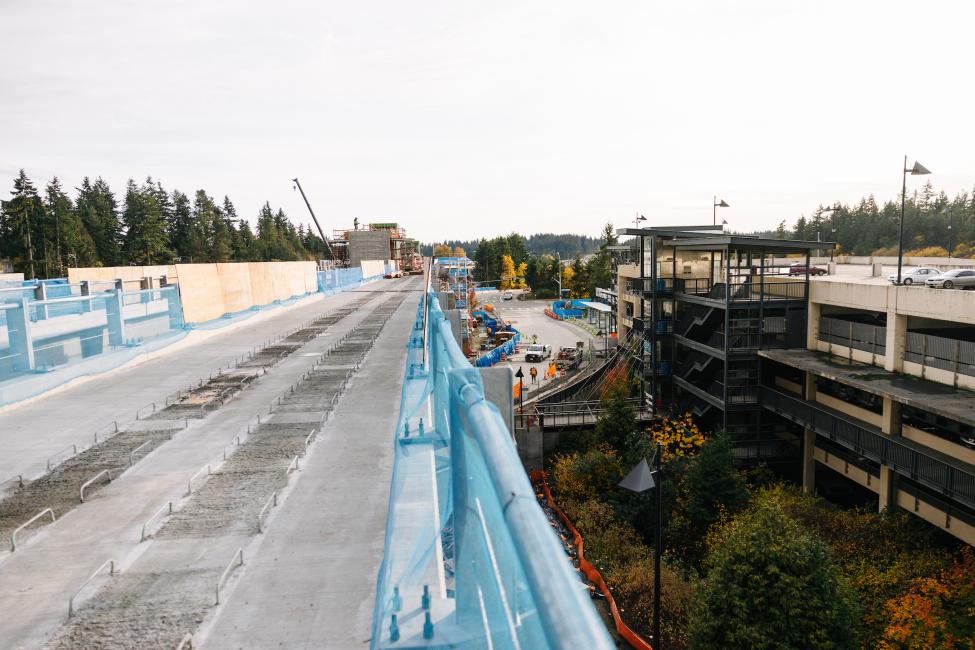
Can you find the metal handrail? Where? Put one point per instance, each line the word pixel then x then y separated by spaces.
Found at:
pixel 19 479
pixel 138 413
pixel 272 501
pixel 230 567
pixel 74 452
pixel 111 572
pixel 145 526
pixel 113 424
pixel 93 479
pixel 133 452
pixel 293 464
pixel 186 643
pixel 13 536
pixel 308 440
pixel 189 484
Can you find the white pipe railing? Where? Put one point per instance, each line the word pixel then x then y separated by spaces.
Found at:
pixel 58 455
pixel 145 527
pixel 189 484
pixel 13 536
pixel 137 449
pixel 233 564
pixel 97 476
pixel 292 466
pixel 271 502
pixel 111 572
pixel 186 643
pixel 109 430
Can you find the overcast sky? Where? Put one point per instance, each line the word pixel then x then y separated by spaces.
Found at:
pixel 463 119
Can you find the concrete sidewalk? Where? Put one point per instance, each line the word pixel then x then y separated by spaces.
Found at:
pixel 46 425
pixel 311 582
pixel 42 574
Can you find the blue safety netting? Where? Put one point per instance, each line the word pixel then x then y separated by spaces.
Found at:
pixel 568 308
pixel 470 559
pixel 44 343
pixel 494 356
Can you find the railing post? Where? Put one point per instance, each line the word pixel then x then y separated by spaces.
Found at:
pixel 116 320
pixel 18 331
pixel 85 292
pixel 40 293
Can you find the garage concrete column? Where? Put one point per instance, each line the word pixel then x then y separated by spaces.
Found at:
pixel 814 310
pixel 809 439
pixel 896 341
pixel 891 418
pixel 890 424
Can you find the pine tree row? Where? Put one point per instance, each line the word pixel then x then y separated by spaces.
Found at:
pixel 42 235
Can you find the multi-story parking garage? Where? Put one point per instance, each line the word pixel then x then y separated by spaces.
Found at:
pixel 844 380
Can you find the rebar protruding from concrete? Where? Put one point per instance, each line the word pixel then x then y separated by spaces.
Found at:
pixel 406 430
pixel 393 629
pixel 421 428
pixel 427 627
pixel 425 599
pixel 397 600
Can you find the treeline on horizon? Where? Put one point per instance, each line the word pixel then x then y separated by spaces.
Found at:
pixel 567 246
pixel 504 259
pixel 869 229
pixel 42 234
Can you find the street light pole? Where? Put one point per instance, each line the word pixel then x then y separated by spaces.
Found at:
pixel 714 210
pixel 947 210
pixel 917 170
pixel 641 479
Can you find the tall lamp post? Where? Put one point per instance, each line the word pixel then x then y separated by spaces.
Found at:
pixel 947 210
pixel 641 479
pixel 832 228
pixel 917 170
pixel 714 211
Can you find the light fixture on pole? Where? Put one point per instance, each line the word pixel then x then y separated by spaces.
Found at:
pixel 832 228
pixel 947 210
pixel 641 479
pixel 638 219
pixel 917 170
pixel 714 211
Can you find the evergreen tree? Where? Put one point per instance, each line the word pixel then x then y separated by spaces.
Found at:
pixel 73 245
pixel 180 227
pixel 98 210
pixel 20 219
pixel 145 239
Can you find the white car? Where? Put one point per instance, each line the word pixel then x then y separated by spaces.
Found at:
pixel 507 295
pixel 953 279
pixel 918 276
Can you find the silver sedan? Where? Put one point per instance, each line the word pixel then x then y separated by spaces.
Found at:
pixel 956 278
pixel 915 276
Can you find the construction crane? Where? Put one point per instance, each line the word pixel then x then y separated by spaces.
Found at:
pixel 331 253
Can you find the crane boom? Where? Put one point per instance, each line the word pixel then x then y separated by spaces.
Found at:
pixel 315 219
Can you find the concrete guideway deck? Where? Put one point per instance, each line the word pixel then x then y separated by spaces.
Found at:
pixel 61 556
pixel 311 580
pixel 33 431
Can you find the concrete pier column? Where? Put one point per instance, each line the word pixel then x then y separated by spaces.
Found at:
pixel 890 424
pixel 114 314
pixel 145 284
pixel 814 309
pixel 40 293
pixel 18 331
pixel 809 438
pixel 896 339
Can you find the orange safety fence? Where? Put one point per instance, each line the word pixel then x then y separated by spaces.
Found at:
pixel 538 477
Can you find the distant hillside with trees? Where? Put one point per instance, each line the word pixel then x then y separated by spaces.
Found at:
pixel 566 246
pixel 871 229
pixel 516 261
pixel 44 233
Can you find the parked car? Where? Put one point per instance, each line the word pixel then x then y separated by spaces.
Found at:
pixel 538 352
pixel 920 276
pixel 956 278
pixel 507 295
pixel 799 268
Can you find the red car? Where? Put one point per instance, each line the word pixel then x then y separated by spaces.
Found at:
pixel 800 268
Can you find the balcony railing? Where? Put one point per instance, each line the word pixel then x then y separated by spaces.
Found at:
pixel 859 336
pixel 904 457
pixel 954 355
pixel 747 289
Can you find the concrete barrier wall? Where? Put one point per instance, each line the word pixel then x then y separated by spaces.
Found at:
pixel 371 268
pixel 209 291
